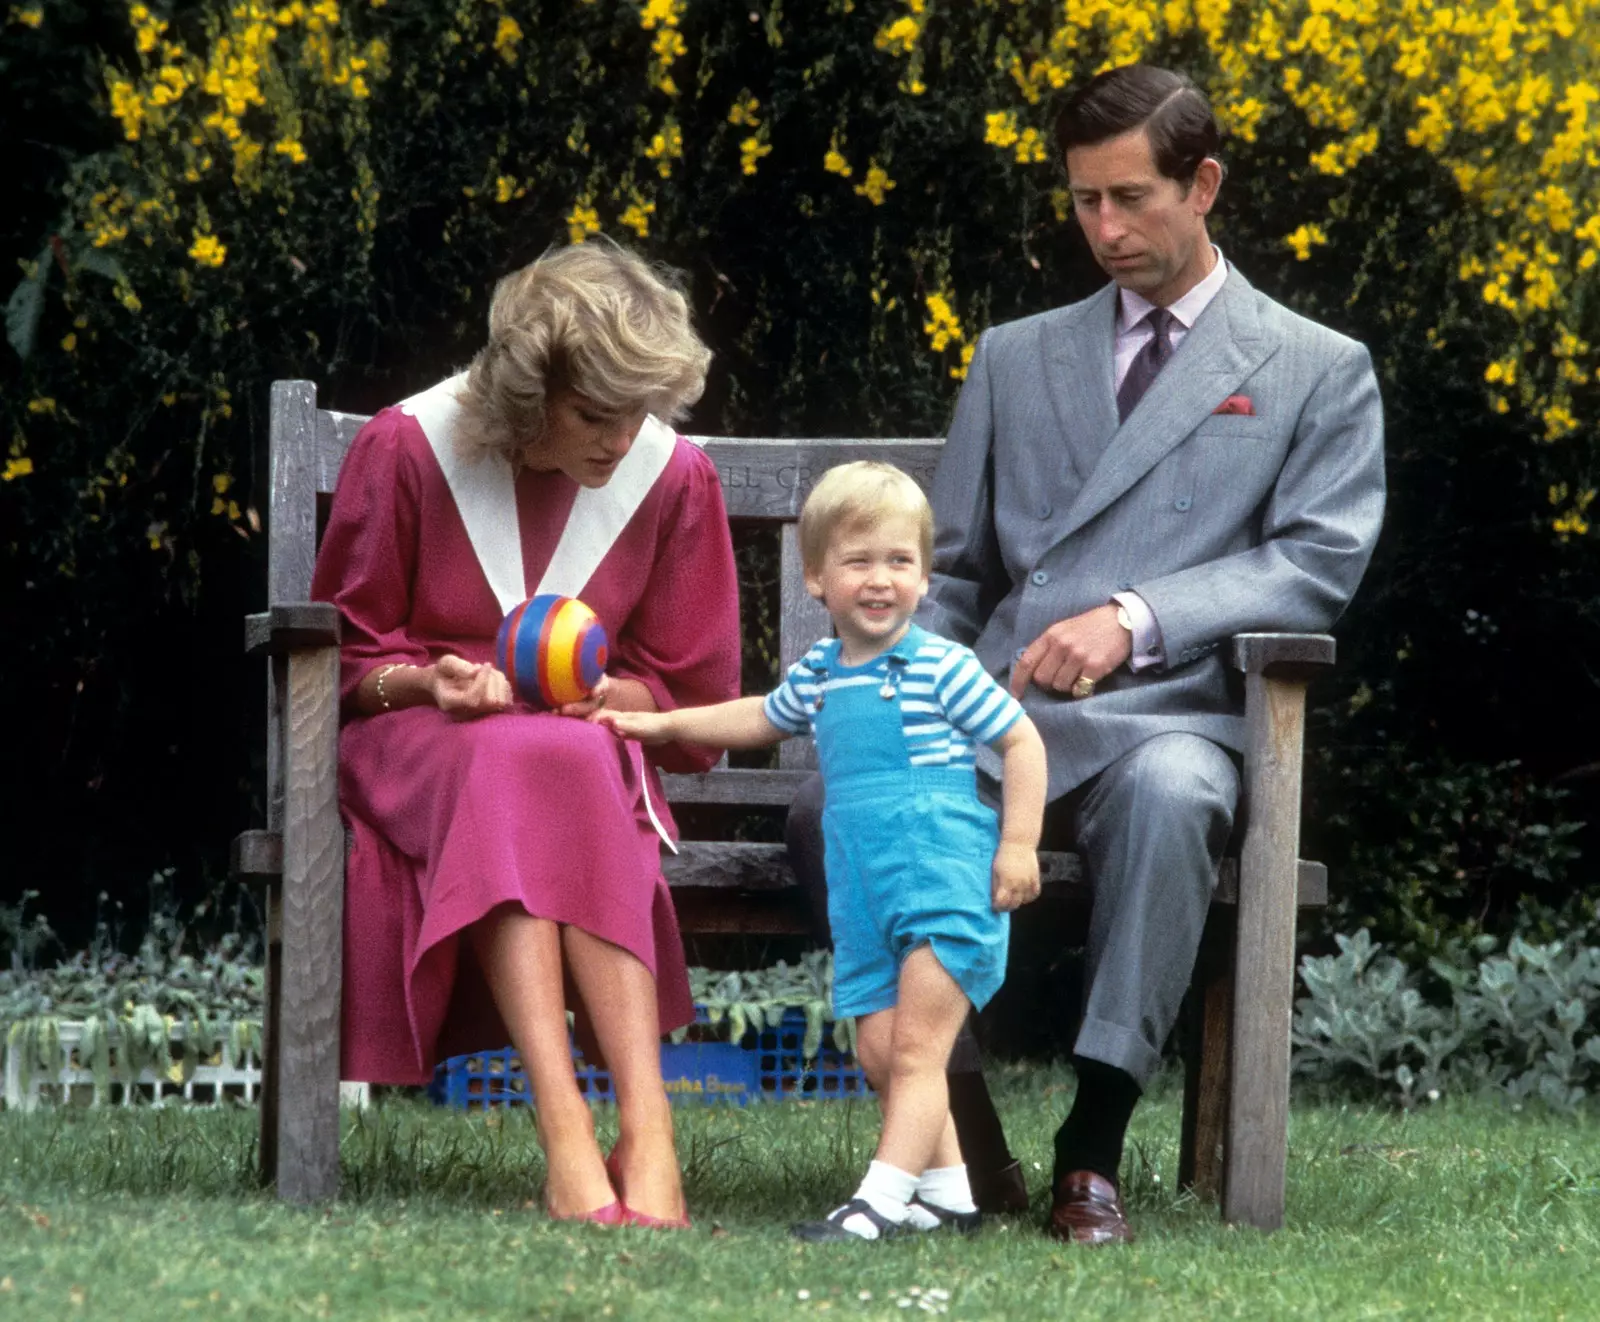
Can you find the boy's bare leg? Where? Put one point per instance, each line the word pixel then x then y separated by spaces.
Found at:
pixel 904 1051
pixel 930 1013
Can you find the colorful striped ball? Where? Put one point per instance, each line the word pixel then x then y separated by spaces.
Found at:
pixel 552 649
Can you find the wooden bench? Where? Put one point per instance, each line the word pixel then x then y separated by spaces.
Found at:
pixel 1234 1140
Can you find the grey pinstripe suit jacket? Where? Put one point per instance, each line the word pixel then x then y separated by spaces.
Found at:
pixel 1045 506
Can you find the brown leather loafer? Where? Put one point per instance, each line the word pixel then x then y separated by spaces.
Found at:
pixel 1088 1210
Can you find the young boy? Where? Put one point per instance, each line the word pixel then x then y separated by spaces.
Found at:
pixel 920 877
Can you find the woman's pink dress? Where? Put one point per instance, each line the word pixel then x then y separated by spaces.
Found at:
pixel 450 818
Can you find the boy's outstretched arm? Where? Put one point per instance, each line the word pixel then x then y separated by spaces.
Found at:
pixel 1022 788
pixel 738 724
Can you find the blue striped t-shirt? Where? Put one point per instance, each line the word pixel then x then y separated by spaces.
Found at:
pixel 948 701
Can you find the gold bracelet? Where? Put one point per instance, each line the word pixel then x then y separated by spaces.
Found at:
pixel 383 675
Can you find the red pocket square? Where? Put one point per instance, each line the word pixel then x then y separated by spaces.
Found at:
pixel 1238 405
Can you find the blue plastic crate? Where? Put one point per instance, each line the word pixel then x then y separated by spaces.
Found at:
pixel 765 1066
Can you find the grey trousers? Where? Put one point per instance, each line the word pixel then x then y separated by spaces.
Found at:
pixel 1151 829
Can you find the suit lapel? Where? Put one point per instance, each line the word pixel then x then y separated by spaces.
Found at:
pixel 1078 373
pixel 1226 344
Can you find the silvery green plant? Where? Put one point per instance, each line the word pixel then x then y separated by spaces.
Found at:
pixel 738 1002
pixel 1518 1021
pixel 135 1009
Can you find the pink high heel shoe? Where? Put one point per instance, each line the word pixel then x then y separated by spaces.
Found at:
pixel 612 1214
pixel 642 1219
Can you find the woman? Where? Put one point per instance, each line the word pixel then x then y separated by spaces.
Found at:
pixel 499 855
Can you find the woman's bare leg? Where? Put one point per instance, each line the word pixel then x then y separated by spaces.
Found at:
pixel 619 993
pixel 521 959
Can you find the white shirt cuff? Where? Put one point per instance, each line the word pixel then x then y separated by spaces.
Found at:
pixel 1148 649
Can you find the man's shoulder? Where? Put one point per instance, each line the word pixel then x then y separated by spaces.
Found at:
pixel 1284 323
pixel 1007 335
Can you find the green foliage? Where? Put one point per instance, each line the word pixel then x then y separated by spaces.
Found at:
pixel 1519 1022
pixel 137 1010
pixel 1433 851
pixel 329 191
pixel 757 999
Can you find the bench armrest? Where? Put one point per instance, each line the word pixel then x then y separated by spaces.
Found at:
pixel 1282 655
pixel 296 628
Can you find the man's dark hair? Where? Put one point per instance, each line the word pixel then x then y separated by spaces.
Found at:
pixel 1167 104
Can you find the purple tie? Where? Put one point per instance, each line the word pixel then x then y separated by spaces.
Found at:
pixel 1146 363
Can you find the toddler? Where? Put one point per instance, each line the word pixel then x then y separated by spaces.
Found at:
pixel 921 876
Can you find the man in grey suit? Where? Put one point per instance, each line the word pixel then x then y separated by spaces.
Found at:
pixel 1129 481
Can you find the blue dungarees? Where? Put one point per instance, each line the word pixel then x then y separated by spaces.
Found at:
pixel 909 849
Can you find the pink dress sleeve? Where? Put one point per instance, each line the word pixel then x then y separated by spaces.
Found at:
pixel 367 561
pixel 682 640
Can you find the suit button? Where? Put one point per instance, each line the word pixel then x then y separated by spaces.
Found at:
pixel 1045 511
pixel 1182 503
pixel 1038 578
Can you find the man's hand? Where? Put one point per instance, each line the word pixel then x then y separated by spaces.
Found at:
pixel 464 689
pixel 1091 645
pixel 1016 876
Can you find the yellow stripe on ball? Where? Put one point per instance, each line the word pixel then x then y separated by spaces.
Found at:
pixel 562 653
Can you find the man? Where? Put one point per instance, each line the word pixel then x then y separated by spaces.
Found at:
pixel 1128 482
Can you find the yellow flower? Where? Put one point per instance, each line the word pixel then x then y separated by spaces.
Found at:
pixel 1000 128
pixel 505 188
pixel 220 482
pixel 834 163
pixel 942 327
pixel 69 341
pixel 662 12
pixel 582 221
pixel 875 187
pixel 1304 239
pixel 899 37
pixel 637 216
pixel 208 250
pixel 42 404
pixel 292 149
pixel 19 467
pixel 744 110
pixel 665 147
pixel 506 37
pixel 751 150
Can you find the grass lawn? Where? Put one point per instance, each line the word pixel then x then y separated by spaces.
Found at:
pixel 1463 1211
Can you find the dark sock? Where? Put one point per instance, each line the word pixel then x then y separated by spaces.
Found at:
pixel 983 1140
pixel 1091 1137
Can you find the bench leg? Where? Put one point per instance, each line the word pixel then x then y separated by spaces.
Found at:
pixel 1205 1068
pixel 306 1036
pixel 267 1102
pixel 1263 1004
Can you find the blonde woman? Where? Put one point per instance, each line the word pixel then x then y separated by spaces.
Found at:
pixel 502 855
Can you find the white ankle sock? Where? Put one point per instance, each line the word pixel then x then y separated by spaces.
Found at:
pixel 887 1189
pixel 944 1187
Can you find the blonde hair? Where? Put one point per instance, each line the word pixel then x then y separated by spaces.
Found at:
pixel 593 317
pixel 861 493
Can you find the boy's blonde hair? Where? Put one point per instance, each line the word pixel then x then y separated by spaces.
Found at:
pixel 856 494
pixel 594 317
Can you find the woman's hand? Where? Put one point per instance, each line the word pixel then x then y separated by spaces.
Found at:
pixel 1016 876
pixel 628 695
pixel 464 689
pixel 648 727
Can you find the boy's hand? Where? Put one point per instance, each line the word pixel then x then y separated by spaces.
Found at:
pixel 647 727
pixel 1016 876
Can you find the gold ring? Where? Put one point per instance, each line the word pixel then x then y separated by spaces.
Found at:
pixel 1082 687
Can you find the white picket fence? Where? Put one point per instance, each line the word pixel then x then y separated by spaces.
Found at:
pixel 210 1084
